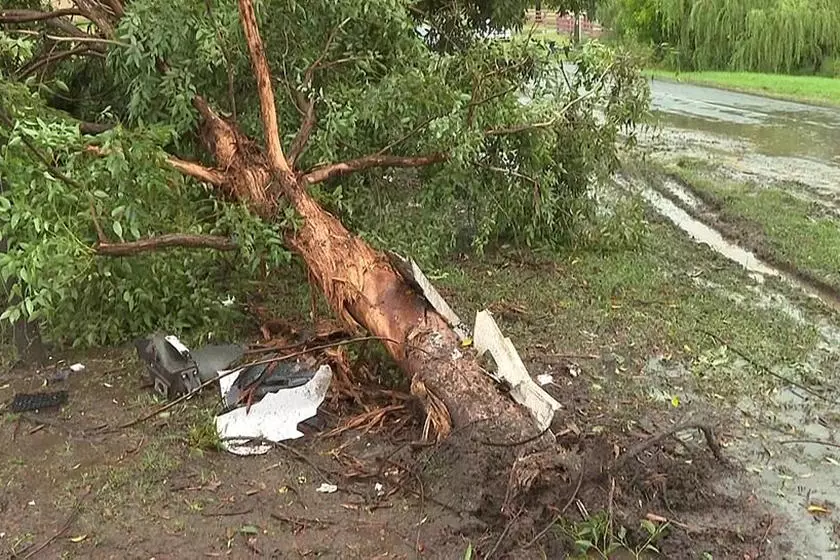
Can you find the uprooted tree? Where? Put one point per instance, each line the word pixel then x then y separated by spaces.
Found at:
pixel 157 154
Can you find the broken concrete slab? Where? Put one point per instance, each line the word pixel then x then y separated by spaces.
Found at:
pixel 487 337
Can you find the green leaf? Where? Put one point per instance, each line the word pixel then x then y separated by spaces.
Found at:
pixel 118 229
pixel 249 530
pixel 648 526
pixel 468 554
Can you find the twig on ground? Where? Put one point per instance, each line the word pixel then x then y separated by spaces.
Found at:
pixel 70 520
pixel 226 513
pixel 421 495
pixel 517 443
pixel 291 450
pixel 503 535
pixel 708 433
pixel 766 369
pixel 559 516
pixel 762 545
pixel 814 441
pixel 610 499
pixel 660 519
pixel 297 520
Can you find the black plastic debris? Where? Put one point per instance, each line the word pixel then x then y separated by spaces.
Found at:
pixel 175 370
pixel 26 402
pixel 254 382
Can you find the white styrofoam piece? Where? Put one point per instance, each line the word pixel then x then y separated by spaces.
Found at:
pixel 274 418
pixel 487 337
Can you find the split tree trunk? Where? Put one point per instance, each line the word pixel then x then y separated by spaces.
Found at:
pixel 364 289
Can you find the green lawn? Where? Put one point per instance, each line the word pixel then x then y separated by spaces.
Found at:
pixel 807 89
pixel 796 231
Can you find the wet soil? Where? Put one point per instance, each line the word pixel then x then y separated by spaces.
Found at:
pixel 784 437
pixel 150 492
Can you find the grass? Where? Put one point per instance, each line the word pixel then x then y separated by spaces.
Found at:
pixel 818 90
pixel 636 287
pixel 651 299
pixel 796 231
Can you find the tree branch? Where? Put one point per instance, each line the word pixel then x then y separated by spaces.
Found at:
pixel 94 128
pixel 83 38
pixel 56 19
pixel 165 241
pixel 36 65
pixel 306 127
pixel 198 171
pixel 307 104
pixel 268 109
pixel 105 16
pixel 26 16
pixel 561 114
pixel 321 174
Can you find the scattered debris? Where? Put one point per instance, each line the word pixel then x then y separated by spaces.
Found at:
pixel 818 510
pixel 25 402
pixel 545 379
pixel 250 430
pixel 327 488
pixel 253 383
pixel 63 373
pixel 177 371
pixel 510 369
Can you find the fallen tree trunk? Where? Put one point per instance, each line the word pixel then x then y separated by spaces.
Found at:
pixel 359 283
pixel 364 289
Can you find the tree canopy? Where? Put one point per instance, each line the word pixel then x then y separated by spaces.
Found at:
pixel 112 233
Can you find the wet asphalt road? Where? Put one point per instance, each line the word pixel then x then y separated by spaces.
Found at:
pixel 774 127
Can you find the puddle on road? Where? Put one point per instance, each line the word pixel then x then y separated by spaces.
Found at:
pixel 738 160
pixel 780 128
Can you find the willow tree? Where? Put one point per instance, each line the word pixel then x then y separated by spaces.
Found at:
pixel 233 149
pixel 755 35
